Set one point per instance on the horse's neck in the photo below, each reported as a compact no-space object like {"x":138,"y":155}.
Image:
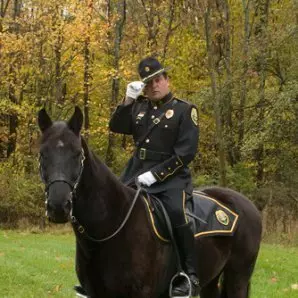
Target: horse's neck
{"x":102,"y":196}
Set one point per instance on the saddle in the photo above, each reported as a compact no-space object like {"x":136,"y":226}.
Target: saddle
{"x":208,"y":217}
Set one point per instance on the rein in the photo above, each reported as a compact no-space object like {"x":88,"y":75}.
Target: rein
{"x":73,"y":187}
{"x":82,"y":230}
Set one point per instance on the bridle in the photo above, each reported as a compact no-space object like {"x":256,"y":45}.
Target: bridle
{"x":73,"y":185}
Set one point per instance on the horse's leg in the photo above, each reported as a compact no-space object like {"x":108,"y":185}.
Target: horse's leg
{"x":235,"y":286}
{"x":239,"y":269}
{"x":211,"y":290}
{"x":82,"y":266}
{"x":236,"y":282}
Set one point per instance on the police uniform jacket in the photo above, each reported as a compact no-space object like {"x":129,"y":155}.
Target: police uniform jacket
{"x":170,"y":145}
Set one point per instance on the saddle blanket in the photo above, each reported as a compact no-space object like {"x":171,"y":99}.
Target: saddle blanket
{"x":208,"y":217}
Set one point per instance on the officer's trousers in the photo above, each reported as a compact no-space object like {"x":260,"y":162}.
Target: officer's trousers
{"x":174,"y":203}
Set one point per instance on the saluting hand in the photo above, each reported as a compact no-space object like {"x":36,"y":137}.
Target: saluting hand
{"x":147,"y":179}
{"x":134,"y":89}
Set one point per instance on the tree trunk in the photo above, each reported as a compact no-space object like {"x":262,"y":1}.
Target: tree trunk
{"x":224,"y":44}
{"x":243,"y":79}
{"x":58,"y":76}
{"x":262,"y":41}
{"x":13,"y":118}
{"x":152,"y":25}
{"x":121,"y":12}
{"x":216,"y":96}
{"x":3,"y":9}
{"x":170,"y":28}
{"x":87,"y":74}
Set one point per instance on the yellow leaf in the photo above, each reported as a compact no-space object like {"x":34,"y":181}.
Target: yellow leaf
{"x":294,"y":286}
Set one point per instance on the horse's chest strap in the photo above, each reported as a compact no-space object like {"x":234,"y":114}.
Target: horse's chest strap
{"x":78,"y":227}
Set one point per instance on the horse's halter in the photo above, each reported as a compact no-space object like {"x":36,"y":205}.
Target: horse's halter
{"x":73,"y":186}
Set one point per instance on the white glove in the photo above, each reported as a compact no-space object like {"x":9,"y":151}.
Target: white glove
{"x":147,"y":178}
{"x":134,"y":89}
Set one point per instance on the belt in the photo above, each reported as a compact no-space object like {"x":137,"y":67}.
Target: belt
{"x":145,"y":154}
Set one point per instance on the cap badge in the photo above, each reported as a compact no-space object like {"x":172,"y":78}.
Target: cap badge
{"x":147,"y":68}
{"x":194,"y":116}
{"x":169,"y":114}
{"x":222,"y":217}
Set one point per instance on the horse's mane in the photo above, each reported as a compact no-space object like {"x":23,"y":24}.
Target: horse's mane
{"x":100,"y":167}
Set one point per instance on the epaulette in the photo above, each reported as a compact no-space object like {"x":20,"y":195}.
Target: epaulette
{"x":182,"y":100}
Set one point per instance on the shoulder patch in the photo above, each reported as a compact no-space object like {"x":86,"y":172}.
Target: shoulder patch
{"x":194,"y":116}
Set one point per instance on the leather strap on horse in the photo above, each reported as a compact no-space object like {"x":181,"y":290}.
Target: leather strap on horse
{"x":172,"y":238}
{"x":83,"y":232}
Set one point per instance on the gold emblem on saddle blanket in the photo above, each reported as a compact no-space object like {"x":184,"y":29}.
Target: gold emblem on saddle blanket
{"x":169,"y":114}
{"x":222,"y":217}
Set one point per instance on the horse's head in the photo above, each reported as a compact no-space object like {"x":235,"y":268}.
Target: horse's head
{"x":61,"y":162}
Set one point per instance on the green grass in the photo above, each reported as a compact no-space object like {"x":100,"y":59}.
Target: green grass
{"x":36,"y":265}
{"x":42,"y":265}
{"x":276,"y":272}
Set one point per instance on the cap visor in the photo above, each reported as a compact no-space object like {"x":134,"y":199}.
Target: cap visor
{"x":153,"y":75}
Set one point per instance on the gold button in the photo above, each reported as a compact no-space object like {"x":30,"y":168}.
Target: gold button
{"x":152,"y":117}
{"x":162,"y":173}
{"x":147,"y":141}
{"x":166,"y":126}
{"x":177,"y":163}
{"x":169,"y":169}
{"x":155,"y":107}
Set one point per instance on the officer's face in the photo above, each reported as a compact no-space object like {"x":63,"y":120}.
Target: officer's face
{"x":157,"y":88}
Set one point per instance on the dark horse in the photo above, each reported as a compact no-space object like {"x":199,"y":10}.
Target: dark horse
{"x":128,"y":260}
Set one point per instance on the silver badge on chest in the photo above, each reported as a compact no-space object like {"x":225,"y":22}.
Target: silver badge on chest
{"x":169,"y":114}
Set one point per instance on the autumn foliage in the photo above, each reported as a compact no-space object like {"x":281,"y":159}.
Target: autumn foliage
{"x":235,"y":59}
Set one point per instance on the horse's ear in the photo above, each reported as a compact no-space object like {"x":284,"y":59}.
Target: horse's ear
{"x":76,"y":121}
{"x":44,"y":120}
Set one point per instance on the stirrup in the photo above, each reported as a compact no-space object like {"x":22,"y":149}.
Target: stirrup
{"x":177,"y":275}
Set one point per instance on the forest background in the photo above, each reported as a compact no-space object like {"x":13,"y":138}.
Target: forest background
{"x":235,"y":59}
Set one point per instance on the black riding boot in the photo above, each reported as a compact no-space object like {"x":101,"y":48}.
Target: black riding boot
{"x":186,"y":246}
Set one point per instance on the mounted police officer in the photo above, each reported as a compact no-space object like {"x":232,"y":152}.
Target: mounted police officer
{"x":165,"y":133}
